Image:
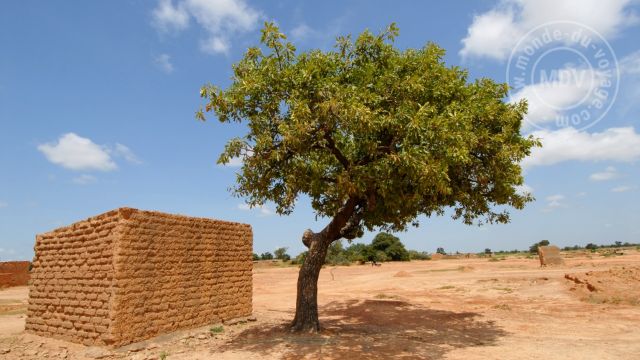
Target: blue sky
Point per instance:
(97, 103)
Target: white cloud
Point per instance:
(566, 144)
(493, 34)
(167, 17)
(564, 89)
(3, 204)
(524, 189)
(215, 45)
(301, 32)
(622, 188)
(264, 209)
(608, 174)
(630, 64)
(123, 151)
(554, 202)
(78, 153)
(220, 18)
(163, 62)
(234, 162)
(84, 179)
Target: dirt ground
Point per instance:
(445, 309)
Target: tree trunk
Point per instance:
(318, 243)
(306, 319)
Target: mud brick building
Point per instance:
(128, 275)
(14, 273)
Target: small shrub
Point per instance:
(163, 355)
(217, 330)
(385, 296)
(493, 259)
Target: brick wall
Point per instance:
(14, 273)
(71, 281)
(137, 274)
(178, 272)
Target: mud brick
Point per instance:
(128, 275)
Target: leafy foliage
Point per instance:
(391, 246)
(281, 254)
(396, 132)
(266, 256)
(534, 248)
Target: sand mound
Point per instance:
(619, 285)
(402, 274)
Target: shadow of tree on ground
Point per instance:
(373, 329)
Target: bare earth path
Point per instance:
(446, 309)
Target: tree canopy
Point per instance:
(373, 135)
(398, 131)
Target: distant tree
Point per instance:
(373, 135)
(266, 256)
(281, 254)
(336, 255)
(618, 244)
(534, 248)
(256, 256)
(300, 258)
(487, 251)
(419, 255)
(357, 252)
(591, 246)
(391, 246)
(441, 251)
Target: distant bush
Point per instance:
(419, 255)
(534, 248)
(298, 260)
(336, 255)
(266, 256)
(281, 254)
(256, 256)
(217, 329)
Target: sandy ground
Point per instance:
(445, 309)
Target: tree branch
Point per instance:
(336, 152)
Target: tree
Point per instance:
(336, 255)
(591, 246)
(534, 248)
(487, 251)
(391, 246)
(266, 256)
(374, 136)
(256, 256)
(281, 254)
(441, 251)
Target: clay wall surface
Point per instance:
(550, 255)
(71, 281)
(129, 275)
(14, 273)
(175, 272)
